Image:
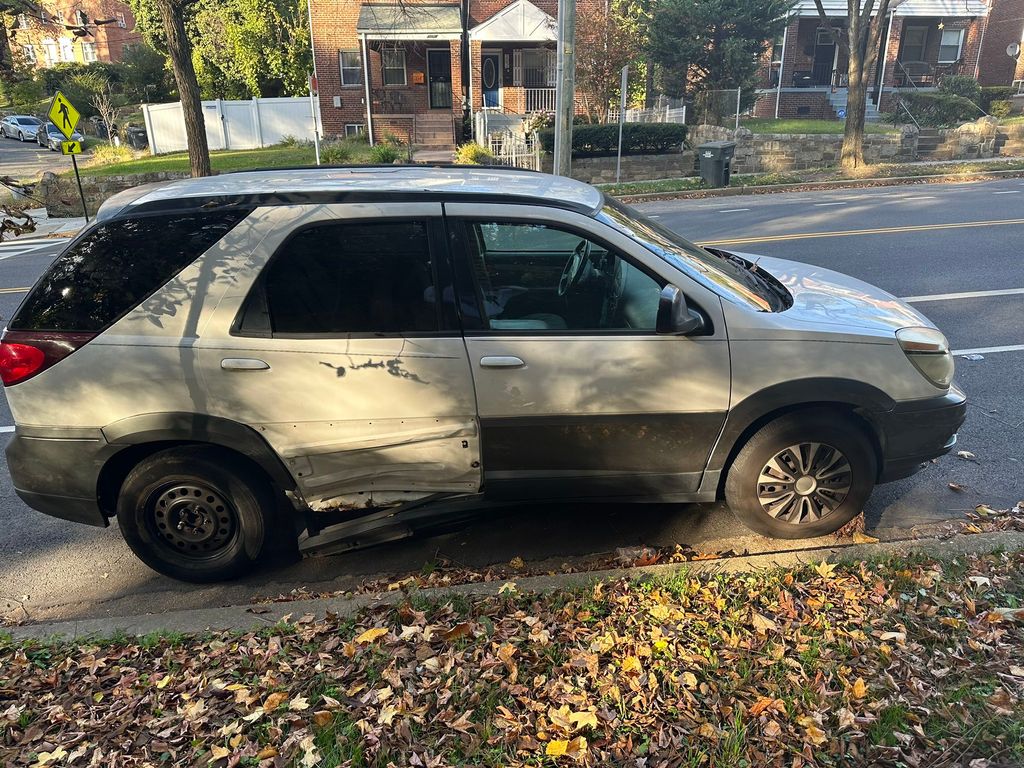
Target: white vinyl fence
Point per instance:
(233, 124)
(515, 149)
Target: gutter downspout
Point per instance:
(782, 65)
(467, 65)
(366, 89)
(981, 45)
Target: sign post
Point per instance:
(314, 98)
(622, 119)
(63, 114)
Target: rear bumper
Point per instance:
(55, 471)
(917, 431)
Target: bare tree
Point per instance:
(180, 51)
(863, 32)
(605, 43)
(104, 102)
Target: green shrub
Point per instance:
(1000, 108)
(934, 109)
(384, 153)
(472, 153)
(292, 141)
(961, 85)
(107, 154)
(992, 93)
(637, 139)
(335, 153)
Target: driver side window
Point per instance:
(535, 277)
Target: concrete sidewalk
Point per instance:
(47, 227)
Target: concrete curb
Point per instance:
(811, 186)
(242, 618)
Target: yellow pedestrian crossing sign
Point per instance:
(73, 147)
(63, 115)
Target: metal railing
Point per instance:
(514, 149)
(540, 99)
(653, 115)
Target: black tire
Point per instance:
(21, 136)
(221, 536)
(825, 503)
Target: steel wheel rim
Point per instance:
(804, 483)
(192, 519)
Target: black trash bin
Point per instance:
(715, 162)
(136, 138)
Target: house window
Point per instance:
(28, 52)
(120, 20)
(81, 19)
(950, 45)
(777, 50)
(354, 129)
(59, 16)
(51, 53)
(538, 68)
(914, 41)
(351, 67)
(394, 66)
(23, 21)
(89, 52)
(43, 16)
(67, 49)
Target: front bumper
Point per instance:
(55, 471)
(919, 430)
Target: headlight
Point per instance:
(928, 350)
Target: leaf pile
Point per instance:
(912, 662)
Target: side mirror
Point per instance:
(674, 316)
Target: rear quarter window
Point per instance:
(107, 273)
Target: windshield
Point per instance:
(721, 275)
(28, 121)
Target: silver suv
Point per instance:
(223, 363)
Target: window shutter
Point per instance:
(517, 66)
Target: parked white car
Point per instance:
(20, 127)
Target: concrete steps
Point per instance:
(930, 146)
(838, 100)
(434, 131)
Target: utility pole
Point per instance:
(565, 95)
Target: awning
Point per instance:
(951, 8)
(410, 22)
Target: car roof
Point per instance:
(392, 183)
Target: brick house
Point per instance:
(804, 73)
(1005, 27)
(418, 68)
(67, 31)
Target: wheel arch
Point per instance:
(856, 401)
(140, 436)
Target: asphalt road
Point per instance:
(927, 242)
(27, 160)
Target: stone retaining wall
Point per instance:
(774, 152)
(60, 194)
(598, 170)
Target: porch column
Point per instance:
(366, 89)
(459, 102)
(782, 68)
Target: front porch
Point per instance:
(805, 74)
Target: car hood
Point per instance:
(822, 296)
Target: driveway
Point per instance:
(27, 160)
(954, 250)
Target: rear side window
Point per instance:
(116, 266)
(341, 278)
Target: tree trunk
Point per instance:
(649, 83)
(852, 155)
(180, 50)
(6, 57)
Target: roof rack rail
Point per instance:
(391, 166)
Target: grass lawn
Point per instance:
(230, 160)
(1015, 120)
(767, 125)
(903, 661)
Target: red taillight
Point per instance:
(19, 361)
(23, 354)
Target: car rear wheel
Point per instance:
(806, 474)
(196, 514)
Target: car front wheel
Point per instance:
(806, 474)
(196, 514)
(21, 136)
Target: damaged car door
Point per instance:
(345, 354)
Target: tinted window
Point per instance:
(353, 278)
(534, 277)
(28, 121)
(116, 266)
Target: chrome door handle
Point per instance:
(501, 361)
(244, 364)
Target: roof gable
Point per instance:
(520, 21)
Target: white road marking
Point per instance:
(6, 429)
(990, 350)
(819, 205)
(733, 210)
(1008, 192)
(16, 249)
(963, 295)
(922, 197)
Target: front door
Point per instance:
(345, 355)
(825, 51)
(577, 394)
(490, 79)
(439, 73)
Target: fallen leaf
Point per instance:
(825, 569)
(762, 623)
(966, 455)
(321, 718)
(956, 487)
(371, 634)
(772, 730)
(508, 588)
(583, 720)
(298, 704)
(465, 629)
(163, 682)
(859, 689)
(863, 538)
(631, 665)
(218, 753)
(274, 700)
(556, 748)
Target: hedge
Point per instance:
(992, 93)
(637, 139)
(932, 109)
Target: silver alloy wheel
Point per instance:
(803, 483)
